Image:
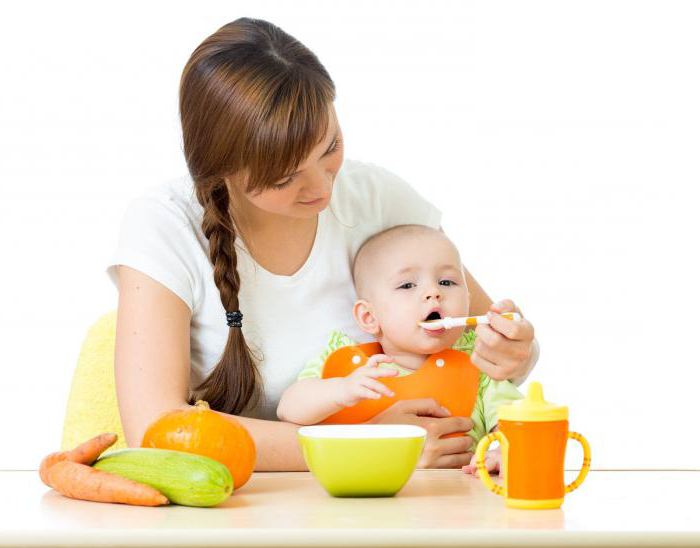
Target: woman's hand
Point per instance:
(504, 348)
(429, 414)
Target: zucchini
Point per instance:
(185, 478)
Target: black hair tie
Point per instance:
(234, 319)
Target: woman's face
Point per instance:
(307, 192)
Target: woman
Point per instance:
(230, 279)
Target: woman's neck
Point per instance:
(257, 227)
(279, 244)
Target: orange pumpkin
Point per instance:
(202, 431)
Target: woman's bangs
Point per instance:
(297, 121)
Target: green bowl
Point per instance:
(362, 460)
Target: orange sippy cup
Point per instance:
(533, 435)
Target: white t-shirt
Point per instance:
(286, 319)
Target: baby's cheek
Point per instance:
(396, 329)
(403, 320)
(406, 337)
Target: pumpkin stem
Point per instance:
(201, 404)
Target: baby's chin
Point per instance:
(423, 344)
(432, 346)
(432, 343)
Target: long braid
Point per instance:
(234, 383)
(254, 101)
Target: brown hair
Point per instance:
(253, 102)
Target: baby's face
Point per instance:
(412, 278)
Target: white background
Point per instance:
(560, 140)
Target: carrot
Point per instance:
(81, 481)
(85, 453)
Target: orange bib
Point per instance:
(448, 376)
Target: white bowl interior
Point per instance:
(362, 431)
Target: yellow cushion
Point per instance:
(92, 403)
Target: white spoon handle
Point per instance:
(469, 321)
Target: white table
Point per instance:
(435, 508)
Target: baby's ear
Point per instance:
(365, 318)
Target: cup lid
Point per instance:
(533, 408)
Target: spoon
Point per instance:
(469, 321)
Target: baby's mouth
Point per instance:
(435, 315)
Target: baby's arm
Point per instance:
(309, 401)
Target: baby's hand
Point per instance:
(492, 461)
(361, 384)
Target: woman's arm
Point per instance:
(277, 447)
(152, 369)
(479, 301)
(151, 360)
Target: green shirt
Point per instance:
(491, 394)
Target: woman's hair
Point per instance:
(253, 103)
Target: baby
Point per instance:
(403, 275)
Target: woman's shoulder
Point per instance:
(365, 179)
(171, 201)
(365, 192)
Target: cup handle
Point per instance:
(481, 454)
(586, 461)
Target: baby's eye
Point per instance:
(449, 282)
(404, 286)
